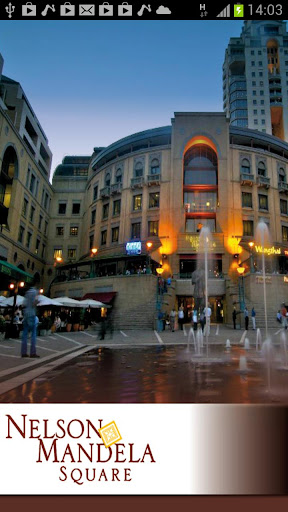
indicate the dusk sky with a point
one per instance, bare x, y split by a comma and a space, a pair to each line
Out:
91, 83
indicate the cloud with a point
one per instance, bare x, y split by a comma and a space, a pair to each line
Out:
163, 10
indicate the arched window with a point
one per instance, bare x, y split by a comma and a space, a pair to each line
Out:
9, 171
281, 175
155, 166
107, 179
245, 166
119, 176
200, 166
138, 170
21, 267
261, 169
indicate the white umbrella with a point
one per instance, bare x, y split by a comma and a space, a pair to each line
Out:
9, 302
2, 298
46, 301
69, 303
90, 303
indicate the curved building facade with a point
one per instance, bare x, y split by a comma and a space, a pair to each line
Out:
161, 186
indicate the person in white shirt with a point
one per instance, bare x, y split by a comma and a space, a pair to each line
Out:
208, 318
181, 317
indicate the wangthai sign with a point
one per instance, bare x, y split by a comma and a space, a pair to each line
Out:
267, 250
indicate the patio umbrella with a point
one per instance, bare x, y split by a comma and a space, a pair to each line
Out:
46, 301
90, 303
9, 302
69, 303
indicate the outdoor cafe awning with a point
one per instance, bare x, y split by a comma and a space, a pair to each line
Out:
106, 297
12, 272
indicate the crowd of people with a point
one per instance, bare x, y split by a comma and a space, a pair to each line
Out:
176, 318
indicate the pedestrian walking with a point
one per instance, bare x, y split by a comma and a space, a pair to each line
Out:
29, 322
181, 317
234, 315
172, 319
253, 316
195, 320
246, 316
207, 314
284, 315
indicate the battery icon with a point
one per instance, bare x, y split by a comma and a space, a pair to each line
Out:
238, 10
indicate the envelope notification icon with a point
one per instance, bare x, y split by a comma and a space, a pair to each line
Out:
86, 10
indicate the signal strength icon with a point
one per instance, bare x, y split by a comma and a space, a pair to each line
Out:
225, 13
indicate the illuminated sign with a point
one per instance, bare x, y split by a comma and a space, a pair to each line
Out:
267, 250
259, 280
133, 248
194, 241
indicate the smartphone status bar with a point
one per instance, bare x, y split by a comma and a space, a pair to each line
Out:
137, 11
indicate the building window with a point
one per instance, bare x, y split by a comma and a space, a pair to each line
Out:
252, 62
40, 222
154, 200
117, 207
255, 121
43, 250
254, 84
45, 227
93, 216
262, 121
283, 207
21, 234
25, 207
285, 233
155, 166
263, 202
261, 169
115, 234
118, 176
32, 183
58, 253
254, 102
73, 230
46, 202
71, 254
28, 239
32, 211
260, 63
137, 202
262, 102
91, 241
139, 171
37, 246
255, 112
246, 200
245, 166
261, 83
260, 73
95, 192
153, 227
59, 230
262, 112
254, 93
104, 237
105, 211
253, 74
28, 177
75, 208
252, 52
248, 228
136, 230
281, 175
107, 179
62, 208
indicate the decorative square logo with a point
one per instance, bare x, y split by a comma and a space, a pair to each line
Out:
110, 434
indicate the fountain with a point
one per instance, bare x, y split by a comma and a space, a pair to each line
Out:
284, 344
228, 344
247, 344
263, 238
191, 335
268, 355
243, 338
258, 339
200, 275
243, 368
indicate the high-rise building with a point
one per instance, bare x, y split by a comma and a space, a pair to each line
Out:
255, 78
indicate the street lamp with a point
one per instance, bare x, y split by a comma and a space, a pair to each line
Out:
160, 271
94, 251
149, 246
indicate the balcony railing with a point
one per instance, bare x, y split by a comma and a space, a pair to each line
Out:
200, 207
137, 182
153, 179
105, 192
283, 187
116, 188
246, 178
262, 181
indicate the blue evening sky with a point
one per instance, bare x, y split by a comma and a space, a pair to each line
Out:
91, 83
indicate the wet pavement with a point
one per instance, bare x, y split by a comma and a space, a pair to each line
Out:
160, 373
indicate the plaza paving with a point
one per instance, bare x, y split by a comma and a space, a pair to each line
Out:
67, 360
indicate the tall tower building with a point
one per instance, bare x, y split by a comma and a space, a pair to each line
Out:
255, 78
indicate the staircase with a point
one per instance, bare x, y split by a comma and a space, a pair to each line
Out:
139, 317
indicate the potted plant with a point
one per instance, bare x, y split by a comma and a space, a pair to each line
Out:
76, 320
